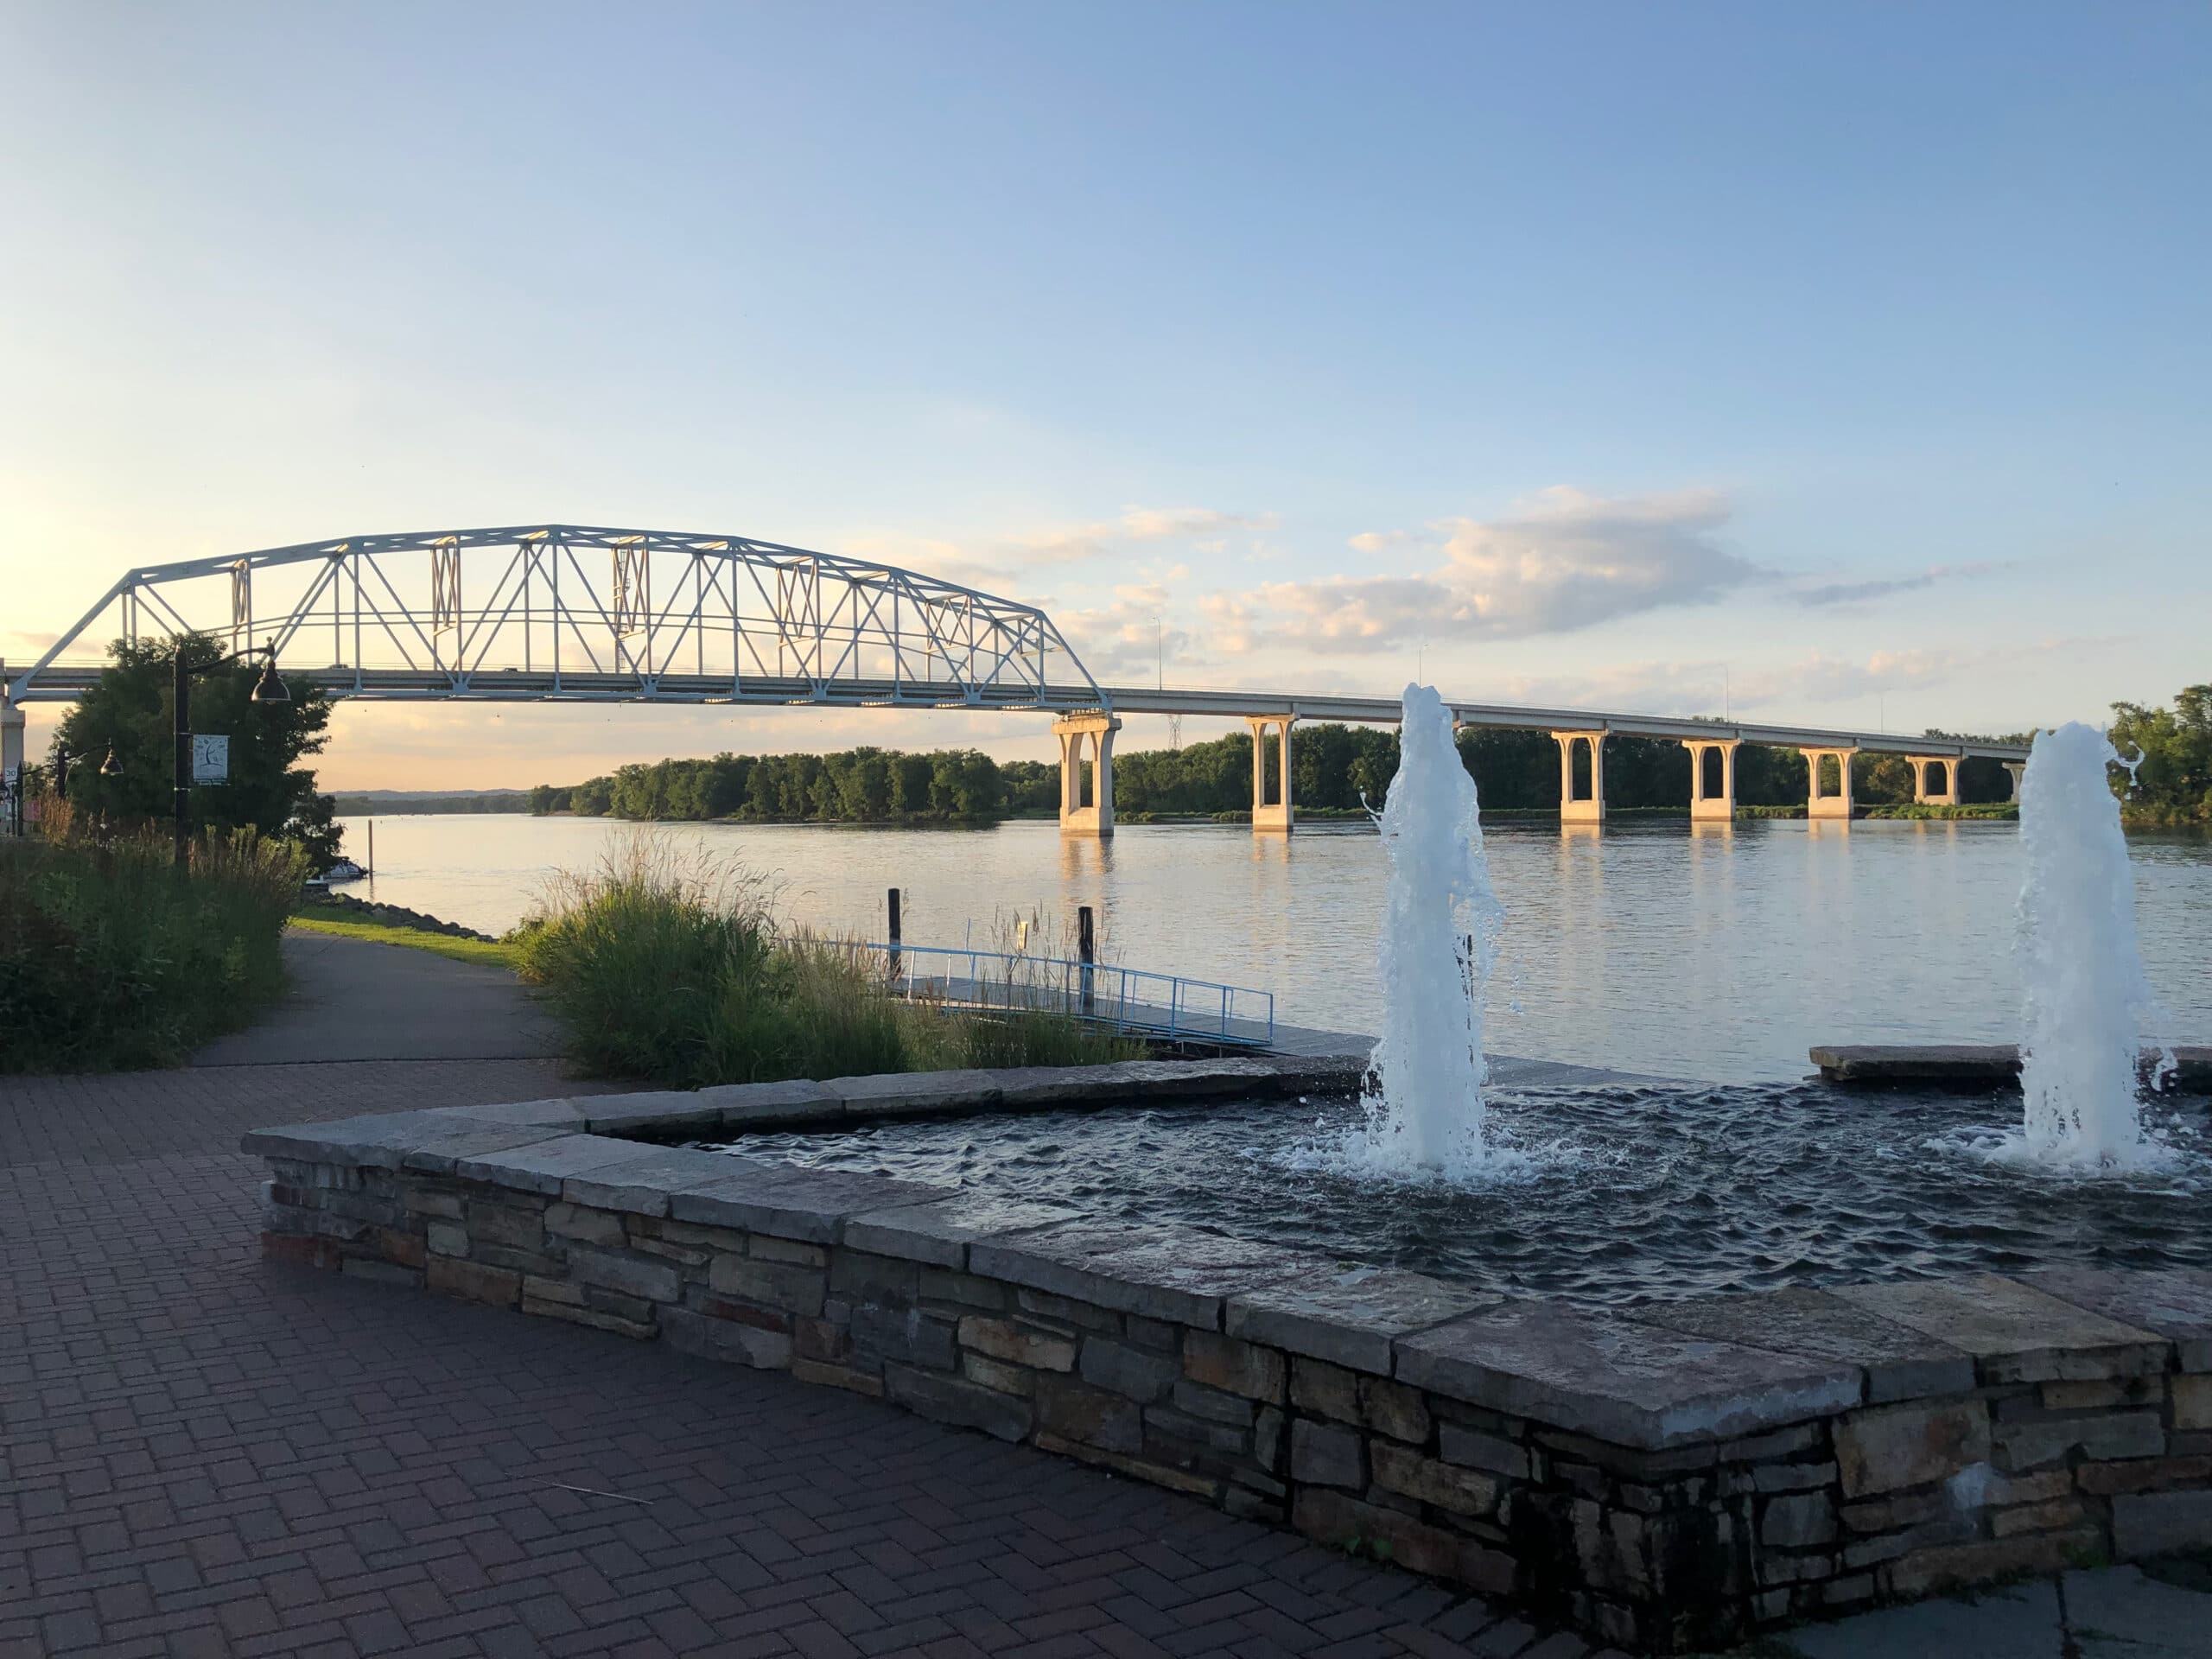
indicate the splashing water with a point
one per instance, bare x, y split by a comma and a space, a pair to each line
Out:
1425, 1118
2085, 1001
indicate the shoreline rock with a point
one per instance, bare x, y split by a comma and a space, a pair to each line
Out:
400, 916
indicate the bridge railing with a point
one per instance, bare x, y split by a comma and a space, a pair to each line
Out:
1163, 1006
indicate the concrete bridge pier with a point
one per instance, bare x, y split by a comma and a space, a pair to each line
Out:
1934, 779
1836, 805
1086, 737
1278, 814
1588, 806
1712, 779
12, 724
2013, 769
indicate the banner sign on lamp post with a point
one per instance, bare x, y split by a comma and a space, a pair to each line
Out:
211, 759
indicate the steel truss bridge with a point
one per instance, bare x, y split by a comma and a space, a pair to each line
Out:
577, 614
542, 613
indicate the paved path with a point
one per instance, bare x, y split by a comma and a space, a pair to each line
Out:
203, 1453
354, 1000
2118, 1613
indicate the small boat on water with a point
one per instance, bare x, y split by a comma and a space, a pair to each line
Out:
344, 870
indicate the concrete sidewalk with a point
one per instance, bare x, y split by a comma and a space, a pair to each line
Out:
355, 1000
2119, 1612
203, 1453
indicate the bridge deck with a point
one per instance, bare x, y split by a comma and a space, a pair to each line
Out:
66, 683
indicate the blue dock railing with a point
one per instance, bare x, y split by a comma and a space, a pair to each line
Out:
1163, 1006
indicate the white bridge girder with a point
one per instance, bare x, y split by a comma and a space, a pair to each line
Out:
567, 612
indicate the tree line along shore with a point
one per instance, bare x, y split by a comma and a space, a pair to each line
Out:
111, 954
1336, 769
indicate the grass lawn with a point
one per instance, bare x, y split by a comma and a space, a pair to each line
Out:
317, 920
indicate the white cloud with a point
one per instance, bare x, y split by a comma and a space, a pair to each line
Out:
1707, 688
1230, 621
1126, 637
1067, 543
1381, 541
1861, 593
1001, 566
1567, 560
927, 555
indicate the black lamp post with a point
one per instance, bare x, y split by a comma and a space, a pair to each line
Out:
269, 688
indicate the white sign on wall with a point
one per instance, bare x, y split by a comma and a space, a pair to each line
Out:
211, 759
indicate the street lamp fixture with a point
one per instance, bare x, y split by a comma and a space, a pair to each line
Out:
110, 767
269, 688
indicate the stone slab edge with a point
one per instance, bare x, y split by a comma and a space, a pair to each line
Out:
802, 1102
1995, 1063
1116, 1266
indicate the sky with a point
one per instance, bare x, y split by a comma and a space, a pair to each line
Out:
1843, 365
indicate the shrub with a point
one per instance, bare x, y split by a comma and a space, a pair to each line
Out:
670, 968
110, 958
1929, 812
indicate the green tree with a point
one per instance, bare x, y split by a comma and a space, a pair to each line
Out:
726, 784
1514, 772
910, 785
2173, 783
1035, 786
864, 787
122, 736
764, 789
964, 784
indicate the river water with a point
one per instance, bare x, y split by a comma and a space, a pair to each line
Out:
1700, 952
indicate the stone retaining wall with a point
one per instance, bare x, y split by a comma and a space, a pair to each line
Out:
1670, 1478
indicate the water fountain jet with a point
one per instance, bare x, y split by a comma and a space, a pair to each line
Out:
2085, 998
1425, 1112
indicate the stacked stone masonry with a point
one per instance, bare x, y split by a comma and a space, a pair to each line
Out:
1674, 1478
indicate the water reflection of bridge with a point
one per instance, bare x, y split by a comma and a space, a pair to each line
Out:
574, 613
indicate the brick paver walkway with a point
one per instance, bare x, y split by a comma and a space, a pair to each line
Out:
203, 1454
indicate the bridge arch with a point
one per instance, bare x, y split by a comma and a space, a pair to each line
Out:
571, 612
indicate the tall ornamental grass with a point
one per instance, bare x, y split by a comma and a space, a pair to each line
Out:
110, 959
670, 968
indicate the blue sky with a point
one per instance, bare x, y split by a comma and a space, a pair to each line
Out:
1854, 357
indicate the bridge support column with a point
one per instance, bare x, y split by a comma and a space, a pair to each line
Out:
1086, 737
1278, 815
1712, 779
12, 724
1819, 804
1587, 807
1934, 779
2013, 769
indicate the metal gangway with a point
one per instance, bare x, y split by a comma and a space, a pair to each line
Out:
1165, 1006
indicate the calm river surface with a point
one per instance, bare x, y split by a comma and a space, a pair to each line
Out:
1651, 947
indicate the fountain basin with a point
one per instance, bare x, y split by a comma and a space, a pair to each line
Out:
1669, 1477
1628, 1195
1983, 1065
